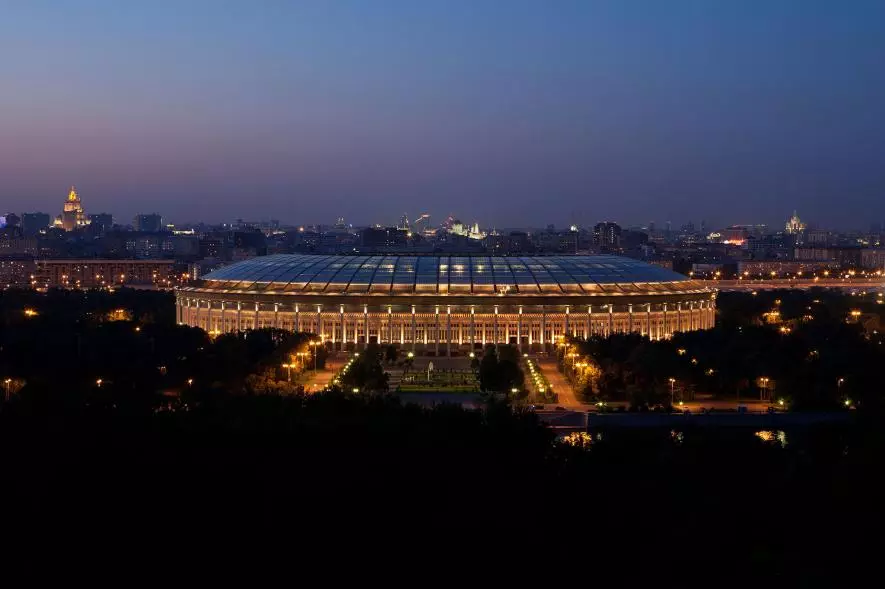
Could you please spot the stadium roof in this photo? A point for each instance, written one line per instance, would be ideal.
(444, 274)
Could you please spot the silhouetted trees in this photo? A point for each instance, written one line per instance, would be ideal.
(499, 369)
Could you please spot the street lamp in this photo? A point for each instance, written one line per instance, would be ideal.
(7, 381)
(190, 382)
(98, 382)
(764, 381)
(314, 345)
(289, 368)
(672, 384)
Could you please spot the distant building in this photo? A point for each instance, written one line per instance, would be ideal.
(872, 258)
(843, 256)
(795, 225)
(16, 271)
(148, 222)
(33, 223)
(13, 220)
(101, 222)
(97, 273)
(607, 236)
(72, 216)
(375, 238)
(817, 238)
(14, 242)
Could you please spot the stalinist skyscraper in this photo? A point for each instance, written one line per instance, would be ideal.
(73, 216)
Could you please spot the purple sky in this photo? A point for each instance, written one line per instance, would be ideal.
(509, 112)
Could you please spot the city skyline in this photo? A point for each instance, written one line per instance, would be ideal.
(500, 112)
(794, 223)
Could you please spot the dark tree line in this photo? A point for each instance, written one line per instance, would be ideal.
(815, 356)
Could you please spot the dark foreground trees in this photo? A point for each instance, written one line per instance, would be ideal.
(373, 468)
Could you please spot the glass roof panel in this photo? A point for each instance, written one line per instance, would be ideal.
(465, 273)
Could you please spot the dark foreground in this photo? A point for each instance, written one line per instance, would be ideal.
(382, 476)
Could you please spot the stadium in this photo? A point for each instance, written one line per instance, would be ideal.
(447, 305)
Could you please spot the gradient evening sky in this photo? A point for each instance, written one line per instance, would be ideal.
(509, 112)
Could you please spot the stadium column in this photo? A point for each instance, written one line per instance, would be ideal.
(343, 328)
(666, 325)
(678, 317)
(223, 326)
(366, 326)
(611, 319)
(691, 315)
(389, 324)
(519, 330)
(276, 315)
(565, 331)
(472, 329)
(414, 329)
(630, 318)
(239, 316)
(648, 331)
(297, 319)
(507, 329)
(320, 322)
(448, 330)
(436, 339)
(495, 328)
(543, 328)
(589, 331)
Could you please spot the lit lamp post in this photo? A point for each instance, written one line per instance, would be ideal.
(672, 390)
(288, 367)
(764, 381)
(839, 385)
(314, 345)
(7, 382)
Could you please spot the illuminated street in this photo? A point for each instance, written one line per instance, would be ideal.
(316, 381)
(561, 386)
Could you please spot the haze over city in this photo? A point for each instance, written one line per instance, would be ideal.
(514, 113)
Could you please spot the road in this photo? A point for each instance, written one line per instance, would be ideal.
(317, 381)
(563, 389)
(841, 283)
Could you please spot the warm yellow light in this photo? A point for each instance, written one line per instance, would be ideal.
(31, 313)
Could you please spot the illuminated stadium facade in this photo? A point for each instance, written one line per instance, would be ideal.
(447, 305)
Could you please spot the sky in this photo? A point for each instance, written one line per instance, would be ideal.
(510, 112)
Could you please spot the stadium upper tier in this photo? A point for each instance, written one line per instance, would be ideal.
(453, 275)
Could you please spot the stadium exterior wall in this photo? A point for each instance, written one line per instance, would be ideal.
(450, 324)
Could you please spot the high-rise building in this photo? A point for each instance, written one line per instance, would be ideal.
(607, 235)
(795, 225)
(422, 224)
(148, 222)
(72, 216)
(33, 223)
(101, 222)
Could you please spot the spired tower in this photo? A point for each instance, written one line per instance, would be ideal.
(72, 216)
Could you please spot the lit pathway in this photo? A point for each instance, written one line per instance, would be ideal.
(316, 381)
(561, 386)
